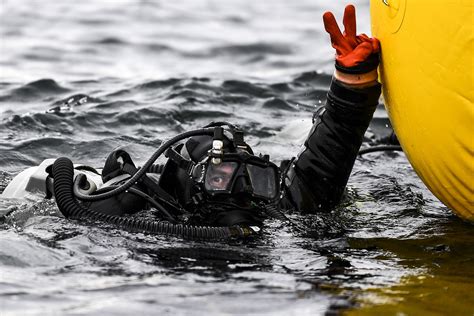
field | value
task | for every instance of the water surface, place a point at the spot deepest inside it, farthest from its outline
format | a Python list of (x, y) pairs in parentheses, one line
[(83, 79)]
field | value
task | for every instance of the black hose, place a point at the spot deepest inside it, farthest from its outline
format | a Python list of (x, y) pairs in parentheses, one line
[(133, 180), (157, 168), (63, 173), (79, 195), (380, 148), (272, 210)]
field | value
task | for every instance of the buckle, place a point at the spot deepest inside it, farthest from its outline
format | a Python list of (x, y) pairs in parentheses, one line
[(183, 163), (198, 172), (197, 198)]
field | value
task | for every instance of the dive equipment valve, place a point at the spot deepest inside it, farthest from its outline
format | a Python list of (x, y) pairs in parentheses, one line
[(217, 145)]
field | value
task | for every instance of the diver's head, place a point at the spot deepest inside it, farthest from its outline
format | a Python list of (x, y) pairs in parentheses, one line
[(219, 179)]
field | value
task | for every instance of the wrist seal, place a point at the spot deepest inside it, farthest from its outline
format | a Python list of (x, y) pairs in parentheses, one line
[(367, 65)]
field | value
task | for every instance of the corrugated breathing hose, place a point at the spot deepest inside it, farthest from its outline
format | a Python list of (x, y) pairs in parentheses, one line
[(63, 174)]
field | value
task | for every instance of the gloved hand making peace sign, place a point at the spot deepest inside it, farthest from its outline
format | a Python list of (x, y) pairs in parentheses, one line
[(356, 55)]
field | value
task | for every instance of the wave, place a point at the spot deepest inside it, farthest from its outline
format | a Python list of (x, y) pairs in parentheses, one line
[(252, 49), (34, 90)]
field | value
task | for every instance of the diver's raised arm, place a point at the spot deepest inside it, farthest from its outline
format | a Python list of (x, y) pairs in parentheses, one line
[(317, 177)]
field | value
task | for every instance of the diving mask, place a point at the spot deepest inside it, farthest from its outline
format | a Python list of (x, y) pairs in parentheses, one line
[(237, 173)]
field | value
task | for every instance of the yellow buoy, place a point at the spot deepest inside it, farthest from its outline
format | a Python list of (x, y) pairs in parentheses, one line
[(427, 77)]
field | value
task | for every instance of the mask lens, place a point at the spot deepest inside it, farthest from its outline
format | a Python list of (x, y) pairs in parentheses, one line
[(263, 180), (219, 177)]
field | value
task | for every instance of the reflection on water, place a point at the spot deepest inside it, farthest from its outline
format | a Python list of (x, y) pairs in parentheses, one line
[(444, 284), (82, 79)]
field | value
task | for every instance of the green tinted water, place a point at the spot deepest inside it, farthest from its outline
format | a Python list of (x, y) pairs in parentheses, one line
[(444, 285)]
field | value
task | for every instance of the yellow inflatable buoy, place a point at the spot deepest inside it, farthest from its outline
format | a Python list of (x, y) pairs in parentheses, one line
[(427, 77)]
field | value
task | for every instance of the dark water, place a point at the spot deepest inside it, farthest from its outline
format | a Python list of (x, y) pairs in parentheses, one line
[(82, 79)]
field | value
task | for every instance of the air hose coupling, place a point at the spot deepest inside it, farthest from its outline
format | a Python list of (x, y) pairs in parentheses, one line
[(244, 231)]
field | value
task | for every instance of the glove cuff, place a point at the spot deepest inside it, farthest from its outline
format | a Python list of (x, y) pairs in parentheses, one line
[(367, 65)]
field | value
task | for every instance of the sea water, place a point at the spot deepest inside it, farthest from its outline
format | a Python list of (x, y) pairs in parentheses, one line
[(80, 79)]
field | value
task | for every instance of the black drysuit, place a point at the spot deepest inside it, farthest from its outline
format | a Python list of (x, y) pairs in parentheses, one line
[(316, 178)]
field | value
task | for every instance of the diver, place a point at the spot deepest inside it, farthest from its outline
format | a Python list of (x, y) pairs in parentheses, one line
[(213, 185)]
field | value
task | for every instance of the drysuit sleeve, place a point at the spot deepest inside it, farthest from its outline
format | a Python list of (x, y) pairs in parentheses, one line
[(316, 178)]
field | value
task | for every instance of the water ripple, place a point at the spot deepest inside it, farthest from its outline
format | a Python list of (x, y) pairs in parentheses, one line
[(33, 90), (130, 74)]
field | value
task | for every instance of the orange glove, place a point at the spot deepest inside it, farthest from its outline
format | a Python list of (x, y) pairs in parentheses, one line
[(355, 54)]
